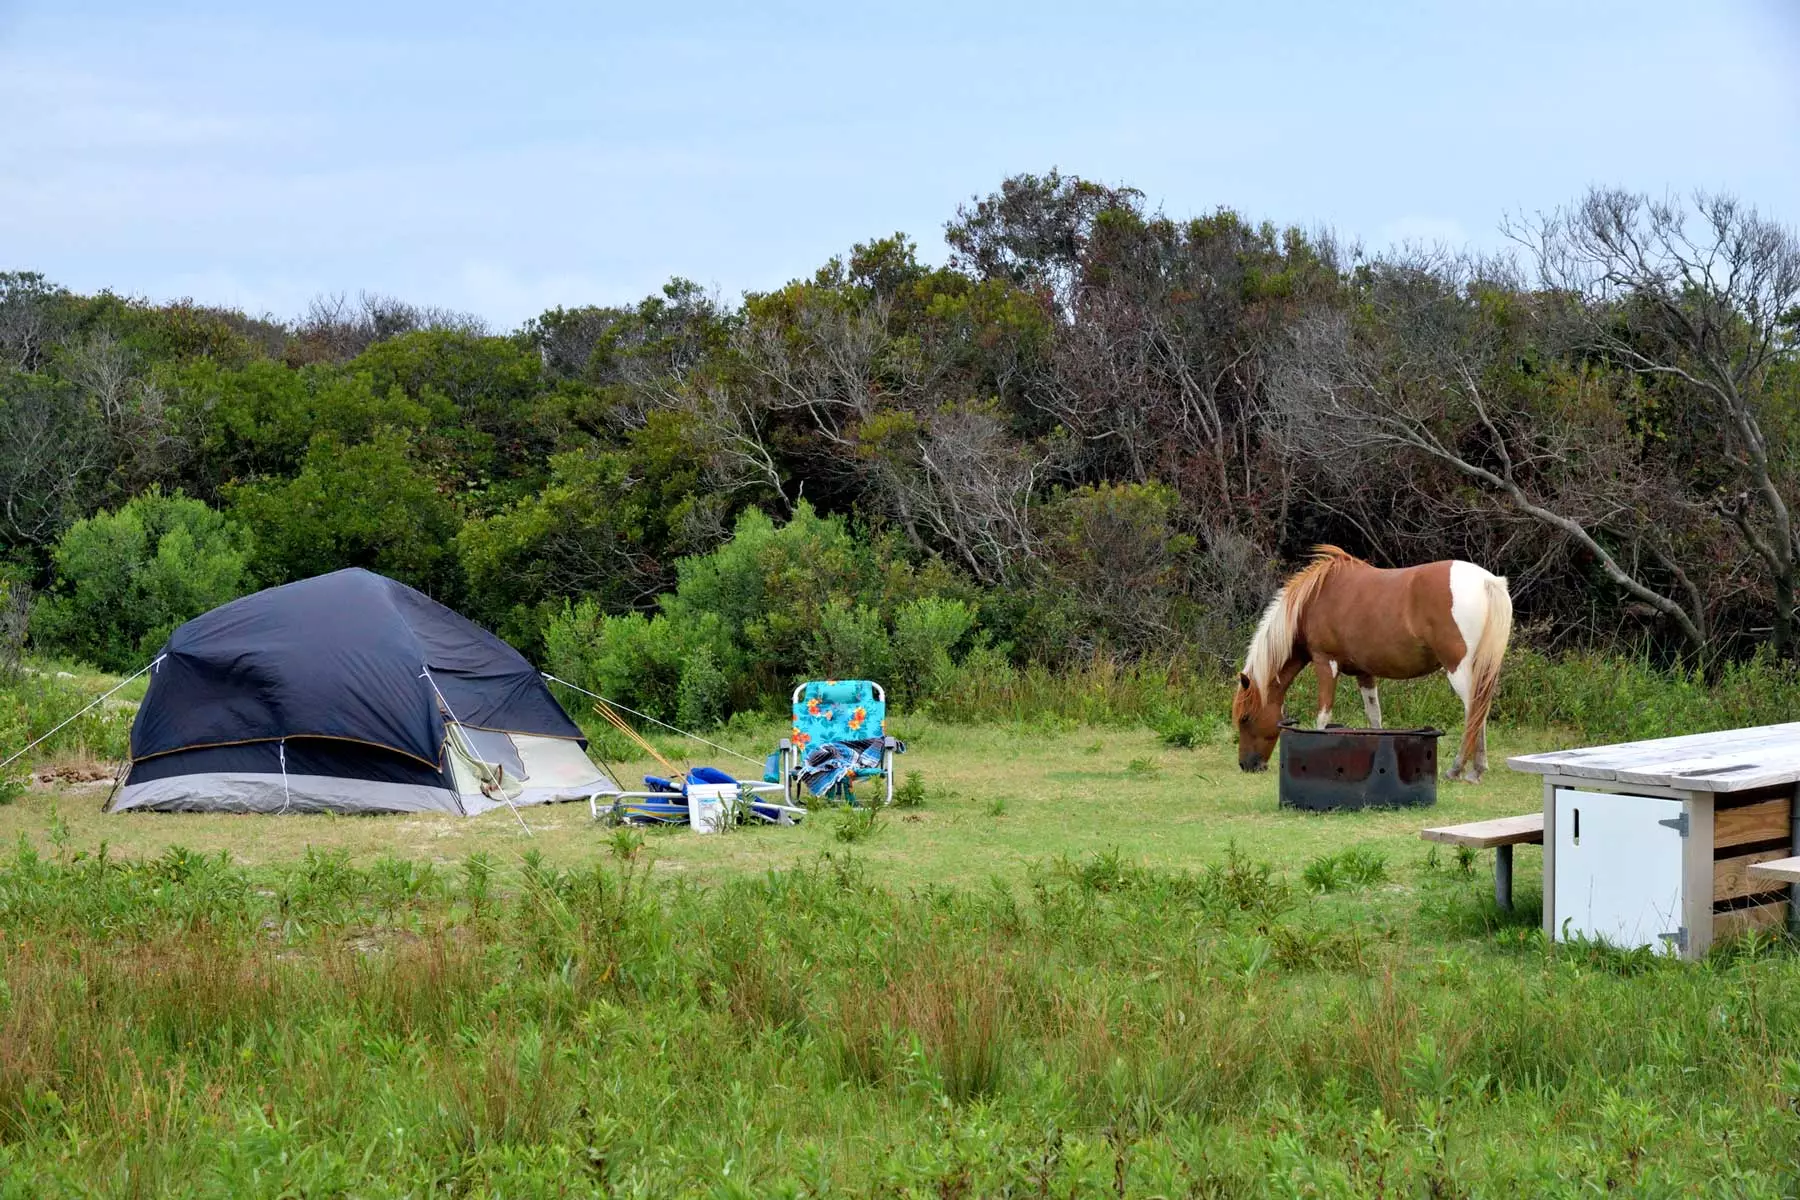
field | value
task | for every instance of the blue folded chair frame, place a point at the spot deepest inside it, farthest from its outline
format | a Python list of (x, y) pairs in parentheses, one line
[(666, 800)]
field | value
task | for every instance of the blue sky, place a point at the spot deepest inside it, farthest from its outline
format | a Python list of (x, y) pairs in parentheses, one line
[(500, 159)]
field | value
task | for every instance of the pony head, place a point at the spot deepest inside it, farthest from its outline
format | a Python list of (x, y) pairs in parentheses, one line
[(1273, 659), (1256, 712)]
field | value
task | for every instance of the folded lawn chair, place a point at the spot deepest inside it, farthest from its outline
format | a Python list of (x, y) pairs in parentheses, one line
[(671, 802), (840, 736)]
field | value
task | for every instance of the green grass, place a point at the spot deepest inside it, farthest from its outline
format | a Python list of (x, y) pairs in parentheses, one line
[(179, 1025), (1164, 807), (1080, 961)]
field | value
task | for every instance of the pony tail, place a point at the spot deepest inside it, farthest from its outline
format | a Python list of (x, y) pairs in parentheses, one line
[(1490, 651)]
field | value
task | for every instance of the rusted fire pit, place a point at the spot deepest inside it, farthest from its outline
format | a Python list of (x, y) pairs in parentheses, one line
[(1340, 767)]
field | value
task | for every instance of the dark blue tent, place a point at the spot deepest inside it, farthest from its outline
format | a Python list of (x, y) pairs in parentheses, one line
[(348, 692)]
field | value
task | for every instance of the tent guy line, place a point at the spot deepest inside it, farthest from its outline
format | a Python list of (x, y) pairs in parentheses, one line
[(646, 716), (97, 701)]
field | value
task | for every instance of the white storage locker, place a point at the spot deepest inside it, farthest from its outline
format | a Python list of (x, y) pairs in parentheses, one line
[(1618, 863), (1676, 837)]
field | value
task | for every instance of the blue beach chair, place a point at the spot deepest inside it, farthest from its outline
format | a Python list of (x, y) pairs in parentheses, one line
[(839, 736)]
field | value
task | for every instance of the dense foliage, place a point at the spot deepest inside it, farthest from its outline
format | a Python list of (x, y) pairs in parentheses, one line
[(125, 580), (1095, 432)]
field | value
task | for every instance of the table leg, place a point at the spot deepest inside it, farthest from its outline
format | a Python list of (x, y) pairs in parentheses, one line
[(1503, 878), (1549, 860), (1697, 875)]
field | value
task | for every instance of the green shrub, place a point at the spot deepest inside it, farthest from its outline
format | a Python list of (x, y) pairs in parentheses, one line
[(776, 603), (367, 505), (927, 633), (703, 693), (15, 619), (1609, 698), (125, 580), (851, 642), (644, 661)]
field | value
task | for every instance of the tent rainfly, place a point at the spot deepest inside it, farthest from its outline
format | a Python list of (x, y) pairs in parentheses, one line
[(348, 693)]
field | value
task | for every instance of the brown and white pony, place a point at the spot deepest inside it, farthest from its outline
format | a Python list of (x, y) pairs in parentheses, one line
[(1346, 617)]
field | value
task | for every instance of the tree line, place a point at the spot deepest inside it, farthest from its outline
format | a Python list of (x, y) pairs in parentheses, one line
[(1096, 429)]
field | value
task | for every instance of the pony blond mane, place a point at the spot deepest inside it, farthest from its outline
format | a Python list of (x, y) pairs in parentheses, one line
[(1273, 643)]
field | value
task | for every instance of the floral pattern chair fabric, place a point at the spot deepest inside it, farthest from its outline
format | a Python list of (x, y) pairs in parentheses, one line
[(837, 710)]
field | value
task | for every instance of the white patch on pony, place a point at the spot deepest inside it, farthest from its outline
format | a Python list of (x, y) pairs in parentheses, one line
[(1371, 706), (1469, 609), (1333, 663), (1324, 717)]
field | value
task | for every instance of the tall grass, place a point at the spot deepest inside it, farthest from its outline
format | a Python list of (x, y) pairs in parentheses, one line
[(182, 1024), (1597, 696)]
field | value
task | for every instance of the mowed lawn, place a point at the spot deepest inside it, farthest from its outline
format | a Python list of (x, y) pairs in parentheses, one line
[(998, 799)]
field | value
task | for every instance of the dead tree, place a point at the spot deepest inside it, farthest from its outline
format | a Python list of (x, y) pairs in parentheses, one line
[(1418, 378), (1705, 300)]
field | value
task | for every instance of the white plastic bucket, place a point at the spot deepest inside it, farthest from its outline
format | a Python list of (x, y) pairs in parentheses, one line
[(709, 806)]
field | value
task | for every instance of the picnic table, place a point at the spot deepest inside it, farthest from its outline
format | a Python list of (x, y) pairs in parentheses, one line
[(1664, 842)]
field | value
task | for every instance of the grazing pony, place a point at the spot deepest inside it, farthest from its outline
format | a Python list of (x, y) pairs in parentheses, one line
[(1346, 617)]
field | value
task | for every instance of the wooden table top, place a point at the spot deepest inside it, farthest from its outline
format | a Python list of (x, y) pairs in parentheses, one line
[(1731, 760)]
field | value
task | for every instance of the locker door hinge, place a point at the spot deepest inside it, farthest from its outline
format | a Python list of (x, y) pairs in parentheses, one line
[(1679, 937), (1679, 825)]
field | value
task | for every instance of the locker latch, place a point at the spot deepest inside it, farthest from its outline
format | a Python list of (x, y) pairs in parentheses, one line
[(1679, 825), (1679, 937)]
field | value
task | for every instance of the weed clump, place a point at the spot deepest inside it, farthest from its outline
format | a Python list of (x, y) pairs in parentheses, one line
[(1182, 731), (911, 792), (1351, 869), (858, 824)]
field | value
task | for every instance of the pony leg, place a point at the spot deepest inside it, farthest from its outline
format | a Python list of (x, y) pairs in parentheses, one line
[(1471, 755), (1462, 685), (1482, 608), (1327, 672), (1371, 700)]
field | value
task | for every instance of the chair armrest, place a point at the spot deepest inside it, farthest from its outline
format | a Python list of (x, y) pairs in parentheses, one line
[(784, 744), (889, 742)]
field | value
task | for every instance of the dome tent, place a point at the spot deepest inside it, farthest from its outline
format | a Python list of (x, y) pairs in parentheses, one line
[(348, 692)]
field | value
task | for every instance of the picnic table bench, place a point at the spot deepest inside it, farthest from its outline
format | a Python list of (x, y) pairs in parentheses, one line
[(1672, 842), (1500, 834)]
